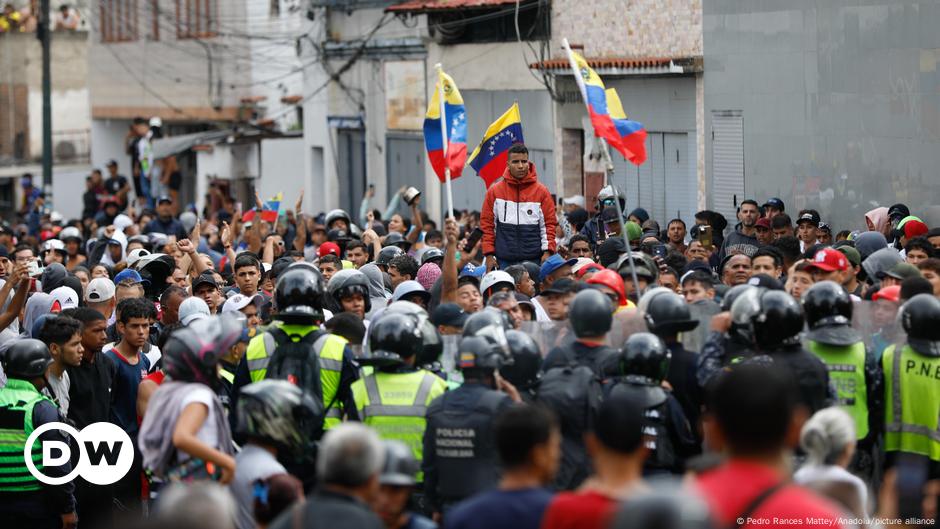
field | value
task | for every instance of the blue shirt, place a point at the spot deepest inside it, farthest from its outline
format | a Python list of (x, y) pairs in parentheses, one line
[(124, 390), (500, 509)]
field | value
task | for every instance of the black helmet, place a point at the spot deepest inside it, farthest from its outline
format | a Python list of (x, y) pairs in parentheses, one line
[(401, 467), (432, 345), (477, 352), (490, 323), (348, 282), (387, 254), (298, 295), (920, 317), (155, 268), (26, 359), (280, 413), (526, 360), (666, 313), (732, 294), (192, 353), (392, 338), (431, 255), (591, 314), (828, 310), (337, 214), (396, 239), (645, 355), (772, 318)]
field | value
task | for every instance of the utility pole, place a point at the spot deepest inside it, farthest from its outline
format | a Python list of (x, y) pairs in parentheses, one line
[(42, 32)]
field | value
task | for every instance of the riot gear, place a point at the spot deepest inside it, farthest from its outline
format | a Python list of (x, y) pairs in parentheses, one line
[(400, 465), (732, 294), (26, 359), (192, 353), (667, 314), (393, 338), (432, 255), (298, 295), (645, 355), (386, 255), (591, 314), (432, 345), (396, 239), (920, 317), (770, 318), (829, 314), (337, 214), (490, 323), (476, 352), (348, 282), (523, 373), (279, 413)]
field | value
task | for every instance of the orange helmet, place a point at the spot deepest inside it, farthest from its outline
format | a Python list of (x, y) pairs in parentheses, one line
[(612, 280)]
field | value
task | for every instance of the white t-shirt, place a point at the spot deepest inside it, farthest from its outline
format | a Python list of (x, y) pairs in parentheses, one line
[(540, 314), (59, 389), (208, 433)]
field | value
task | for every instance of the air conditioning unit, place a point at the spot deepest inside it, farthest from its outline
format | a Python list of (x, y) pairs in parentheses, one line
[(65, 150)]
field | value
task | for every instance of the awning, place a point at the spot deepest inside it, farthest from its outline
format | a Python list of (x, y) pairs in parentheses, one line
[(171, 145), (425, 6), (627, 65)]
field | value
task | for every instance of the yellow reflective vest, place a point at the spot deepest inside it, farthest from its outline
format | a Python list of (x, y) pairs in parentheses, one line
[(912, 402)]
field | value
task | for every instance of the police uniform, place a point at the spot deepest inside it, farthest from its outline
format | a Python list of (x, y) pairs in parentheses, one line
[(912, 402)]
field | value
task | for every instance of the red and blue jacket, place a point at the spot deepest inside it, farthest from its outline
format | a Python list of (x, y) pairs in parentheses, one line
[(518, 218)]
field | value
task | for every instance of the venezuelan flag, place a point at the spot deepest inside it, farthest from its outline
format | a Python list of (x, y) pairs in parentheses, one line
[(489, 158), (596, 101), (269, 212), (632, 134), (456, 122)]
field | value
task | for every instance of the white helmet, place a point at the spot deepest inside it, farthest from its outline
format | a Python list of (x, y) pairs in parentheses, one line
[(494, 278)]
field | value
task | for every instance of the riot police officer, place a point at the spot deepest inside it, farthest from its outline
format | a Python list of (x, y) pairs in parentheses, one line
[(24, 500), (298, 298), (723, 345), (773, 320), (523, 373), (394, 398), (459, 452), (912, 393), (591, 316), (853, 370), (643, 364)]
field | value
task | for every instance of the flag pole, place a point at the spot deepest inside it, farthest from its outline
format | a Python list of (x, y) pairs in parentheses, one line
[(440, 98), (609, 168)]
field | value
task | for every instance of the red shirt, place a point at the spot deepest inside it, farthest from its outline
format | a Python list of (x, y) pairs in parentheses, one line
[(579, 510), (730, 488)]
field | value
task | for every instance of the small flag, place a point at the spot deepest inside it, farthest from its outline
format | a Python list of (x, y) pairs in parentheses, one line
[(632, 144), (456, 117), (269, 212), (489, 158)]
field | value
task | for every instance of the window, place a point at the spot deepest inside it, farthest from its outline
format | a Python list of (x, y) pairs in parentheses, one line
[(154, 20), (118, 20), (196, 19), (274, 10)]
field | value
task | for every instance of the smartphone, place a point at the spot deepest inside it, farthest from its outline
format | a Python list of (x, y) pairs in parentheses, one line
[(705, 237), (472, 240), (660, 250), (35, 268)]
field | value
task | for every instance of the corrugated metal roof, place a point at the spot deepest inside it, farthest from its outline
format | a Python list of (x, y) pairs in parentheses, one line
[(423, 6), (654, 65)]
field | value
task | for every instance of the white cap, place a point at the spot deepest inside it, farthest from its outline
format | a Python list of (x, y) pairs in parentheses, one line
[(135, 256), (53, 244), (66, 296), (192, 309), (99, 289), (156, 122), (574, 200), (122, 221), (240, 301)]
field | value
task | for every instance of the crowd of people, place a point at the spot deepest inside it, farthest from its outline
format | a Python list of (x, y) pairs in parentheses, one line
[(519, 366)]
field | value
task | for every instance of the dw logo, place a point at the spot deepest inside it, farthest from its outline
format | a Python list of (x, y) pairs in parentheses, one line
[(106, 453)]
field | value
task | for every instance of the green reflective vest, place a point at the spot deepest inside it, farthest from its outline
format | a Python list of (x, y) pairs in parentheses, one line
[(330, 349), (17, 400), (395, 405), (846, 367), (912, 402)]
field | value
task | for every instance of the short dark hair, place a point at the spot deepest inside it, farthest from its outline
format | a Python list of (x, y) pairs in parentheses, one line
[(912, 286), (701, 277), (519, 429), (669, 271), (84, 315), (406, 265), (919, 243), (619, 424), (23, 246), (131, 308), (518, 148), (356, 244), (769, 251), (516, 271), (433, 234), (781, 220), (330, 258), (675, 260), (932, 264), (246, 259), (171, 291), (578, 238), (749, 201), (753, 405), (59, 330), (347, 325), (788, 246), (680, 221)]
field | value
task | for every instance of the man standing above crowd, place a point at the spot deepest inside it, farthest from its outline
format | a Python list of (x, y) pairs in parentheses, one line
[(518, 215), (744, 238)]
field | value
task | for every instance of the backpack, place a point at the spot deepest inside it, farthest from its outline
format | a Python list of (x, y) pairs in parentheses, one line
[(298, 362), (575, 393)]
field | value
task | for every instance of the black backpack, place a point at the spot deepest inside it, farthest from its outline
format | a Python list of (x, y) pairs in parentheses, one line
[(298, 362), (575, 393)]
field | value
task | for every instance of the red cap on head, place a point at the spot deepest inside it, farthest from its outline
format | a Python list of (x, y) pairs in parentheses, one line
[(830, 259), (328, 248)]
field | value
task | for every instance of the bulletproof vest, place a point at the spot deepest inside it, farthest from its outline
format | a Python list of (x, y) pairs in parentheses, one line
[(912, 401), (846, 366), (464, 447), (654, 399)]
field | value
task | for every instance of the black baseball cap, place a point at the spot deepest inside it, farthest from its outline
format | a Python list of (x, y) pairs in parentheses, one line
[(164, 198), (610, 215), (561, 286), (205, 278), (898, 211), (808, 217), (111, 163), (765, 281), (449, 314), (774, 203)]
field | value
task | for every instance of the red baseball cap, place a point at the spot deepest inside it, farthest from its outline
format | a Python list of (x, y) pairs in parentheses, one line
[(892, 293), (762, 222), (328, 248), (829, 259), (914, 228)]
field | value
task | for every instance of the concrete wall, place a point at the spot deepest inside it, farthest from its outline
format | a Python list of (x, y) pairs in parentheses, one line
[(280, 170), (275, 68), (633, 28), (840, 101)]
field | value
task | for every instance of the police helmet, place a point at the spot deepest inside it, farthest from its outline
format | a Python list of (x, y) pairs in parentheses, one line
[(396, 239), (591, 314), (432, 255), (666, 313), (192, 353), (920, 317), (348, 282), (490, 323), (298, 295), (400, 466), (526, 360), (26, 359), (279, 413), (387, 254), (392, 338), (477, 352), (496, 278), (431, 344), (645, 355), (732, 294), (337, 214), (772, 317), (827, 303)]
